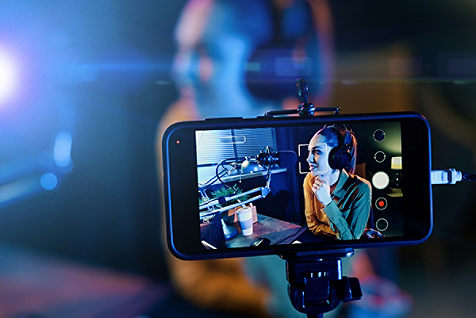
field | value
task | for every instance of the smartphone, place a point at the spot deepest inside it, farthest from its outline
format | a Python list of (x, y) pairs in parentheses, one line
[(240, 187)]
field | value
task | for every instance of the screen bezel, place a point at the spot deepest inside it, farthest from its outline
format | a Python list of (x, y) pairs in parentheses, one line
[(183, 231)]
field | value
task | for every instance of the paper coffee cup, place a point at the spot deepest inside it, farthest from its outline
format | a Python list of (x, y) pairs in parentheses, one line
[(245, 217)]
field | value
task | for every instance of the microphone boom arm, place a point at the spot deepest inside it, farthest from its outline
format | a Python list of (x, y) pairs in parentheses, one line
[(264, 192)]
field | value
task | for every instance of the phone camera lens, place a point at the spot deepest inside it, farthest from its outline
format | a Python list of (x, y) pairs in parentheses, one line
[(379, 135), (380, 156)]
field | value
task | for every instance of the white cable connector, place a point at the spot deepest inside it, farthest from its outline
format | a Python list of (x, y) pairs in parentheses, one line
[(450, 176)]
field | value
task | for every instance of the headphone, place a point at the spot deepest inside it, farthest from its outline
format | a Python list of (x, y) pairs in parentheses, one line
[(340, 157)]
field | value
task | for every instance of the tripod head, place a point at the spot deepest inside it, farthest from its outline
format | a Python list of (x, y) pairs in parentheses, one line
[(305, 109), (316, 284)]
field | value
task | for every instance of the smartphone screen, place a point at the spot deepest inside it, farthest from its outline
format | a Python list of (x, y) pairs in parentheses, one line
[(264, 186)]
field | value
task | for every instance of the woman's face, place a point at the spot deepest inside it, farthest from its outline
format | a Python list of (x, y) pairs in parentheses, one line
[(318, 158)]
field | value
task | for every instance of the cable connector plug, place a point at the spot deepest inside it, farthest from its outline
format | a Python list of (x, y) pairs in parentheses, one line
[(450, 176)]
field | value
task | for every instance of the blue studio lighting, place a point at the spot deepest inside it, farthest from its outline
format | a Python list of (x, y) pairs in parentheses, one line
[(49, 181), (9, 76)]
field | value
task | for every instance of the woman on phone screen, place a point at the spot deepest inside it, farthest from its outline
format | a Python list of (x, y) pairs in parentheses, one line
[(336, 202)]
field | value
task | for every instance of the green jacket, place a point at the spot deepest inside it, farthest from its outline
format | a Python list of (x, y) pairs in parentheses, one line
[(349, 210)]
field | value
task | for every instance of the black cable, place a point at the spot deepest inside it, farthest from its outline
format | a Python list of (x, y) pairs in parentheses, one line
[(222, 162), (469, 176), (218, 174)]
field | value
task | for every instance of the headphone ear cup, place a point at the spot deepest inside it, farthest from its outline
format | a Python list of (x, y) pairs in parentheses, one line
[(339, 158), (345, 159), (332, 158)]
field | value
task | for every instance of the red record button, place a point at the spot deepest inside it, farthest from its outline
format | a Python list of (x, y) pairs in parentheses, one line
[(381, 203)]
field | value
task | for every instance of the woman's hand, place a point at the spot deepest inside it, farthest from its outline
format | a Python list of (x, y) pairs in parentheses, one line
[(322, 190)]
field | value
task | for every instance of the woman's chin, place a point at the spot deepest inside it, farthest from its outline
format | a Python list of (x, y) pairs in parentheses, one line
[(316, 172)]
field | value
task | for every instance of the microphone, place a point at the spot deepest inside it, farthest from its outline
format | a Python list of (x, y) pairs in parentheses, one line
[(268, 157)]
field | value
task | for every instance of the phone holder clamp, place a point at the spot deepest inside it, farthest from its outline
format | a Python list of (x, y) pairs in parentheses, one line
[(316, 284), (305, 109)]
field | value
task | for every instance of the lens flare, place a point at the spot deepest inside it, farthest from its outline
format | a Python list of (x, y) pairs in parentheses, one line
[(9, 77), (62, 149), (49, 181)]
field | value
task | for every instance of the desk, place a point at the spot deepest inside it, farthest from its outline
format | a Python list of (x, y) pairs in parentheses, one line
[(277, 231)]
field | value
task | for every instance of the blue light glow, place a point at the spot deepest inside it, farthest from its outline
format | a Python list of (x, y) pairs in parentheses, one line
[(18, 189), (49, 181), (9, 77), (62, 149)]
